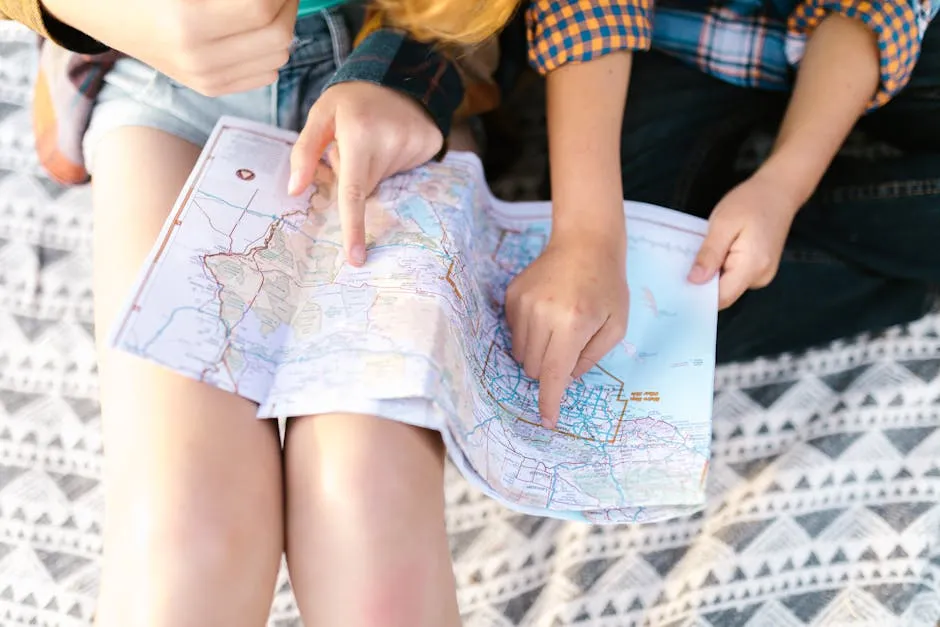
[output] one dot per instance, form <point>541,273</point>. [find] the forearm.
<point>837,78</point>
<point>585,115</point>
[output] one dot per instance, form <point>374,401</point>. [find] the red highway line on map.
<point>250,254</point>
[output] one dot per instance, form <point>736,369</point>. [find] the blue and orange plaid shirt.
<point>752,43</point>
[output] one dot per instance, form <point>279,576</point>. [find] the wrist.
<point>793,174</point>
<point>606,234</point>
<point>588,209</point>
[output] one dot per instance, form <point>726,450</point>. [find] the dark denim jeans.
<point>863,254</point>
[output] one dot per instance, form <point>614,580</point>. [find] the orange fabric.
<point>26,12</point>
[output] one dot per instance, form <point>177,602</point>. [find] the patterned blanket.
<point>823,489</point>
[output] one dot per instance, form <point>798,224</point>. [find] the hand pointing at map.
<point>566,311</point>
<point>375,133</point>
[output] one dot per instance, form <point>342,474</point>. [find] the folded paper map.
<point>247,289</point>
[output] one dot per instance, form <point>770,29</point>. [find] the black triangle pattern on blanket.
<point>823,487</point>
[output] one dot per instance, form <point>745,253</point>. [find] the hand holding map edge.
<point>746,234</point>
<point>377,133</point>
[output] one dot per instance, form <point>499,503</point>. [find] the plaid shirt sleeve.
<point>450,84</point>
<point>898,24</point>
<point>577,31</point>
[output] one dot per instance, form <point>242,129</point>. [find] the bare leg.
<point>193,524</point>
<point>366,542</point>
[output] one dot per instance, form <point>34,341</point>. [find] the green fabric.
<point>312,6</point>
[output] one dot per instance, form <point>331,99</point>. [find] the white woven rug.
<point>824,485</point>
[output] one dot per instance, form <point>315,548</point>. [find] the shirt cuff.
<point>894,23</point>
<point>389,58</point>
<point>578,31</point>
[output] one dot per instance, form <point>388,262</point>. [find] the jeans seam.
<point>811,256</point>
<point>339,36</point>
<point>890,190</point>
<point>274,98</point>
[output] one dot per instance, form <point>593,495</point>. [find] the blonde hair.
<point>459,22</point>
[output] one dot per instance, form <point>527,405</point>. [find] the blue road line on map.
<point>232,205</point>
<point>167,323</point>
<point>145,349</point>
<point>555,470</point>
<point>484,423</point>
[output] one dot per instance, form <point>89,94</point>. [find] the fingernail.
<point>358,255</point>
<point>698,273</point>
<point>293,182</point>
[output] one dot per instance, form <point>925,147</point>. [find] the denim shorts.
<point>135,94</point>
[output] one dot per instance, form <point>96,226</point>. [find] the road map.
<point>247,289</point>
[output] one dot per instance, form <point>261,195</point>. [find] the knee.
<point>404,600</point>
<point>376,487</point>
<point>211,544</point>
<point>411,585</point>
<point>206,538</point>
<point>160,567</point>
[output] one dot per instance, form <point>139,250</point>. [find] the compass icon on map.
<point>244,174</point>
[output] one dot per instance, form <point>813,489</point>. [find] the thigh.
<point>322,44</point>
<point>880,214</point>
<point>880,209</point>
<point>193,481</point>
<point>682,132</point>
<point>816,298</point>
<point>860,257</point>
<point>366,540</point>
<point>136,95</point>
<point>862,253</point>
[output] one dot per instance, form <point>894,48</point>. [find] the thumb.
<point>711,255</point>
<point>354,185</point>
<point>316,135</point>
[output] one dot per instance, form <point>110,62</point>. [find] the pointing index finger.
<point>356,182</point>
<point>561,356</point>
